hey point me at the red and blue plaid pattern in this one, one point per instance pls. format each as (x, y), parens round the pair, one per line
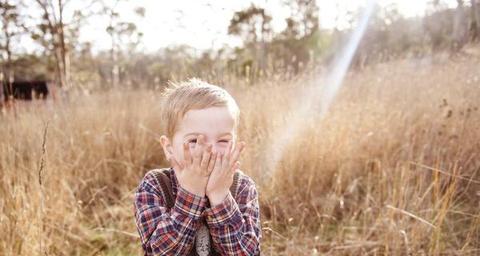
(234, 224)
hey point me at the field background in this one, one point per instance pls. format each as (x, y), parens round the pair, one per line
(392, 169)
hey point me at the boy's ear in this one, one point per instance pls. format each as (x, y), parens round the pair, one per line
(167, 146)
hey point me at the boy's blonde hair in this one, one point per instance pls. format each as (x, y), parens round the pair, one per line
(179, 98)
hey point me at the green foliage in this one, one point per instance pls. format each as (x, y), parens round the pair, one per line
(301, 43)
(252, 24)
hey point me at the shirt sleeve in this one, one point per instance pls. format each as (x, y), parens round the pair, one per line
(235, 225)
(163, 231)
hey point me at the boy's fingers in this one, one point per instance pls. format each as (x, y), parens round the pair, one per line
(201, 139)
(206, 159)
(212, 162)
(196, 159)
(218, 161)
(228, 151)
(200, 145)
(236, 152)
(235, 167)
(225, 162)
(233, 146)
(186, 154)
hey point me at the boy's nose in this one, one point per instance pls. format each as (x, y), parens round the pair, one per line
(206, 144)
(216, 148)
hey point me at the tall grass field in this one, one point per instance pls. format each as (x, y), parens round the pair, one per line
(392, 169)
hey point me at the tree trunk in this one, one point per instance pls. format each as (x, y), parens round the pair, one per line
(460, 26)
(62, 48)
(60, 51)
(7, 66)
(474, 20)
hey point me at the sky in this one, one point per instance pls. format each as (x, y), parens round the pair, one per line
(203, 24)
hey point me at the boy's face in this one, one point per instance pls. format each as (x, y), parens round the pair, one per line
(215, 123)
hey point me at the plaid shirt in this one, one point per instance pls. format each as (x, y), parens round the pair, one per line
(234, 224)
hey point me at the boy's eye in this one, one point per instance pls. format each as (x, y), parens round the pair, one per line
(226, 141)
(193, 141)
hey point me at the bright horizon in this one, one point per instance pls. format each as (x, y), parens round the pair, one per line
(203, 24)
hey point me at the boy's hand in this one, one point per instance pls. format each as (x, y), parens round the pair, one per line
(193, 172)
(221, 178)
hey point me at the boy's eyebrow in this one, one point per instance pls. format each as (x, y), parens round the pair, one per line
(196, 133)
(192, 133)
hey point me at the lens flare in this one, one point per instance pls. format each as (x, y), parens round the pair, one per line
(316, 99)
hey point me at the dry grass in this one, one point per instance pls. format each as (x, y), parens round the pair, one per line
(393, 169)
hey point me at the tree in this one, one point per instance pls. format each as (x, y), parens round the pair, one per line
(253, 26)
(300, 41)
(121, 33)
(460, 27)
(474, 20)
(303, 21)
(58, 33)
(438, 25)
(12, 27)
(52, 35)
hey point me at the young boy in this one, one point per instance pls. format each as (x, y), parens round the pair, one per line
(211, 214)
